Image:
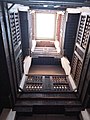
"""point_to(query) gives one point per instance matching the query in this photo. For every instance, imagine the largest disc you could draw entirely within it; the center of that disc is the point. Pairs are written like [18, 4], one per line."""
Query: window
[45, 26]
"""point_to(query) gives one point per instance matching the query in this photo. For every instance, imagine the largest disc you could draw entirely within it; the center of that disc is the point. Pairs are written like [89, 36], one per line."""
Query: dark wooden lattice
[82, 40]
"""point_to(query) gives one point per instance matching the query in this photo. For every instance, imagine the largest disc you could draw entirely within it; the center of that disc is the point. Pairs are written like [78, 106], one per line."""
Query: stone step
[48, 106]
[48, 117]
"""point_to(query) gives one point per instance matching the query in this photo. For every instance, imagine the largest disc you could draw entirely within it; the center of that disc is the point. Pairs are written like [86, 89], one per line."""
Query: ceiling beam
[60, 3]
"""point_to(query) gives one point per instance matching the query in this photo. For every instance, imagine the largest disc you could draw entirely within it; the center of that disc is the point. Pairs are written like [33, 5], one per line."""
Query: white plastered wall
[66, 66]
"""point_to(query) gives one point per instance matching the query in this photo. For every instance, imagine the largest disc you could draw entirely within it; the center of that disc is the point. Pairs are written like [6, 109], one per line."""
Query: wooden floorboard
[46, 70]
